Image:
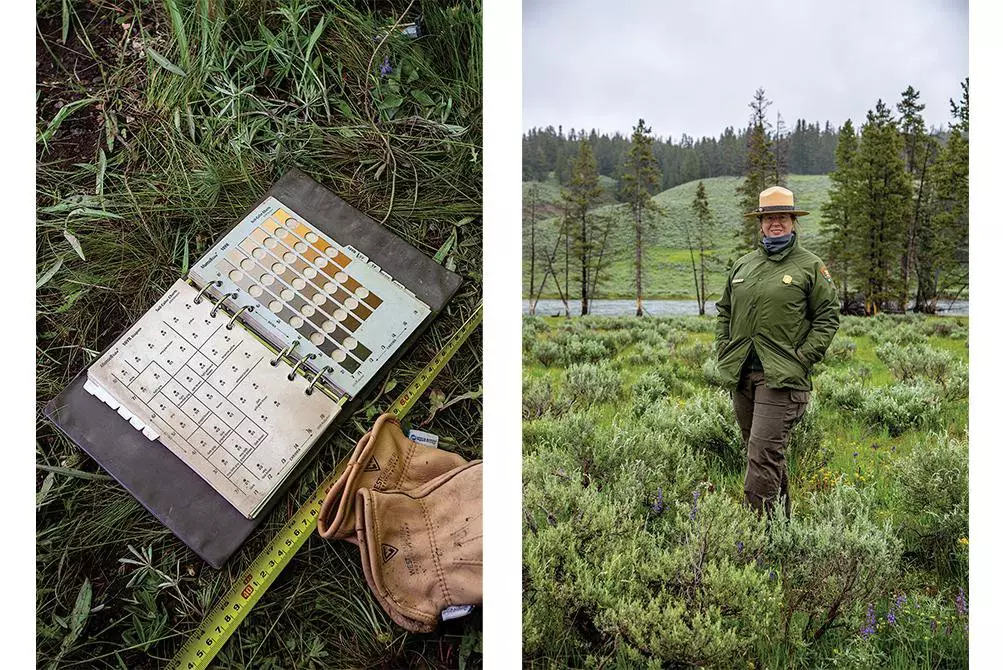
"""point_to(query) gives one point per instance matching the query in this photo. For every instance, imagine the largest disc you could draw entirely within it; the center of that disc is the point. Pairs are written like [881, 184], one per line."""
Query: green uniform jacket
[787, 305]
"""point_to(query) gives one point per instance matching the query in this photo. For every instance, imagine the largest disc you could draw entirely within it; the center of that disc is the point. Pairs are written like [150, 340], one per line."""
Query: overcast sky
[693, 66]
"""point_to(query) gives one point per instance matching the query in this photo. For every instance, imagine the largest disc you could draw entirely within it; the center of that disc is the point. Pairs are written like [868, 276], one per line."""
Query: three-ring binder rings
[278, 332]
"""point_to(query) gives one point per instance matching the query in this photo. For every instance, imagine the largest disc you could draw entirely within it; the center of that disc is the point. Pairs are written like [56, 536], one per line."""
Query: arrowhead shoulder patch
[825, 273]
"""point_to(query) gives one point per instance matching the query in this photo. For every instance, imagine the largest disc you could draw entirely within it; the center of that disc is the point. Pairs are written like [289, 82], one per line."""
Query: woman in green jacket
[776, 318]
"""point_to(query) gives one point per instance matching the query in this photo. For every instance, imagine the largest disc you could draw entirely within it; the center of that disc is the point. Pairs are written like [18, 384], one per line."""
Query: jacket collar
[780, 255]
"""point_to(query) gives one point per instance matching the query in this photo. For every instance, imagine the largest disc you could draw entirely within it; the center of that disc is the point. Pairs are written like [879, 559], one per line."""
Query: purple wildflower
[893, 447]
[869, 627]
[659, 503]
[741, 546]
[891, 617]
[960, 603]
[773, 575]
[933, 625]
[385, 69]
[693, 509]
[854, 454]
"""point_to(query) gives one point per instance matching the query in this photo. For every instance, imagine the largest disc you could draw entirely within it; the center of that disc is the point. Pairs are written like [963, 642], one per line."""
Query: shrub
[532, 327]
[705, 423]
[696, 324]
[932, 497]
[547, 352]
[855, 326]
[696, 598]
[903, 406]
[916, 360]
[615, 340]
[922, 361]
[945, 327]
[676, 586]
[584, 349]
[898, 332]
[558, 433]
[539, 398]
[830, 554]
[841, 350]
[589, 383]
[842, 389]
[694, 353]
[645, 354]
[648, 388]
[650, 336]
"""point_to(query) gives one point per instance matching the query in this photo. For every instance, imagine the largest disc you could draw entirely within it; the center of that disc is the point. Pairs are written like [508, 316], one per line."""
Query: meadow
[157, 124]
[666, 269]
[639, 552]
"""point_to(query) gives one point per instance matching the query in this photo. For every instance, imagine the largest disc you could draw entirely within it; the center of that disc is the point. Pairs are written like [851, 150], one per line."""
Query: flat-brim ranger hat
[776, 200]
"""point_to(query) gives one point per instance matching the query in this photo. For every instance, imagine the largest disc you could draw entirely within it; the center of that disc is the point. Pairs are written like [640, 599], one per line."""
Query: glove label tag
[423, 438]
[456, 611]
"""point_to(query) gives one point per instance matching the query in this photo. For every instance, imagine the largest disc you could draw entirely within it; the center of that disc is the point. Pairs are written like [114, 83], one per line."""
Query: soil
[68, 72]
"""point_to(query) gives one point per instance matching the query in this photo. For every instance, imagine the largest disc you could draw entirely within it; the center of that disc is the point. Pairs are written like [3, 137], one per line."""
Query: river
[667, 308]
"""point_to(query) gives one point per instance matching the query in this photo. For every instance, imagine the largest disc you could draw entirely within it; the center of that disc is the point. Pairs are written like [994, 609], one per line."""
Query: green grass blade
[164, 63]
[178, 26]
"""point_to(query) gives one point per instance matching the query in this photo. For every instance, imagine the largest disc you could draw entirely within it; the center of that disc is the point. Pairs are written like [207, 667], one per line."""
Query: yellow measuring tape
[227, 614]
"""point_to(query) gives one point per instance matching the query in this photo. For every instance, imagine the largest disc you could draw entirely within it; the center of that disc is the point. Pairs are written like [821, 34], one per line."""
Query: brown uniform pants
[766, 417]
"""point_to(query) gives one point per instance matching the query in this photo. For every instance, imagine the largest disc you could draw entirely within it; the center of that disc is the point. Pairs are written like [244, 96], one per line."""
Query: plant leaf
[391, 102]
[102, 166]
[75, 243]
[166, 64]
[423, 98]
[78, 618]
[49, 274]
[97, 213]
[70, 472]
[313, 38]
[43, 492]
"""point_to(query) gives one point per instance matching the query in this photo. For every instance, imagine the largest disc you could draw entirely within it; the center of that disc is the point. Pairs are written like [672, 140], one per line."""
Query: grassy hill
[667, 272]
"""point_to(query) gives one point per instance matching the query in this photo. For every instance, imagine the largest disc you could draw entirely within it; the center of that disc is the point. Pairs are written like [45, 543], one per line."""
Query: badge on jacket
[825, 273]
[788, 279]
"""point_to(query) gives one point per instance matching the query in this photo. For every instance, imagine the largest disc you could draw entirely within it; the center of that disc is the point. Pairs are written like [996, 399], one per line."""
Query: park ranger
[776, 318]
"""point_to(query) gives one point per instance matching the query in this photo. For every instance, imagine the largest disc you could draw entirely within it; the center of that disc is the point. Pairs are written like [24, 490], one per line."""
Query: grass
[157, 125]
[667, 273]
[854, 448]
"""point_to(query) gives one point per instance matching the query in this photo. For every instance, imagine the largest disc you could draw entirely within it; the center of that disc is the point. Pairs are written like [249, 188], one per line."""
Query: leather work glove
[383, 459]
[422, 549]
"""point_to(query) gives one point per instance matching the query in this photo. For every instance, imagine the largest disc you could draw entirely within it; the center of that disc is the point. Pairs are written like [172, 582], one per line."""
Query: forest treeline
[808, 148]
[895, 227]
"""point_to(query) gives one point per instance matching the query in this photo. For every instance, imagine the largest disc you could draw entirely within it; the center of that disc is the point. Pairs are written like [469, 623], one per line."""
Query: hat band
[776, 208]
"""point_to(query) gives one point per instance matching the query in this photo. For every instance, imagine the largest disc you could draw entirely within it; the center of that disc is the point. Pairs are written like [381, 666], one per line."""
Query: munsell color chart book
[210, 403]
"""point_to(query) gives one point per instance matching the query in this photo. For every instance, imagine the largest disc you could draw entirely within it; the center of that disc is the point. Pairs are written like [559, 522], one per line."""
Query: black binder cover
[168, 488]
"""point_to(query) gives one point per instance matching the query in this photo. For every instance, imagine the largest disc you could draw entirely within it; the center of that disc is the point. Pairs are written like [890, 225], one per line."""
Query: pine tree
[582, 195]
[641, 175]
[781, 151]
[918, 153]
[701, 238]
[912, 125]
[837, 224]
[760, 168]
[949, 248]
[534, 199]
[885, 195]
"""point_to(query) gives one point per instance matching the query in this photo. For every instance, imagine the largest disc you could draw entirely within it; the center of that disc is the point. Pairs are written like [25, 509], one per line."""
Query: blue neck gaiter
[775, 244]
